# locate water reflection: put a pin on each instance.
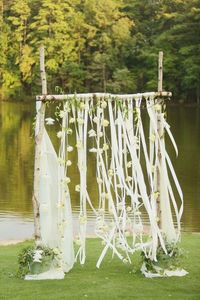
(16, 167)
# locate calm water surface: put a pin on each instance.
(16, 168)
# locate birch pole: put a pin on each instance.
(160, 134)
(39, 129)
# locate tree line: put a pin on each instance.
(100, 45)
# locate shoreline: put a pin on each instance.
(15, 242)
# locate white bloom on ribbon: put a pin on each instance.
(136, 142)
(117, 122)
(69, 131)
(110, 172)
(156, 195)
(62, 114)
(80, 121)
(68, 163)
(128, 209)
(105, 147)
(92, 133)
(37, 256)
(66, 180)
(77, 188)
(137, 213)
(100, 134)
(49, 121)
(99, 180)
(103, 104)
(157, 107)
(107, 196)
(82, 219)
(61, 161)
(56, 251)
(70, 148)
(105, 123)
(125, 260)
(94, 150)
(59, 134)
(103, 195)
(72, 120)
(129, 178)
(129, 164)
(138, 228)
(95, 120)
(79, 144)
(120, 206)
(100, 110)
(101, 211)
(82, 105)
(152, 138)
(78, 241)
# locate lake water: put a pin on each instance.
(17, 159)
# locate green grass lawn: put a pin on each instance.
(114, 280)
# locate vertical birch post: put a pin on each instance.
(39, 129)
(160, 133)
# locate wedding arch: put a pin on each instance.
(133, 174)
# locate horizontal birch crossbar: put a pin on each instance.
(103, 95)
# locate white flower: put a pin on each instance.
(61, 161)
(137, 213)
(78, 241)
(129, 164)
(125, 260)
(68, 163)
(128, 209)
(79, 144)
(80, 121)
(94, 150)
(56, 251)
(72, 120)
(110, 172)
(37, 257)
(82, 105)
(95, 120)
(157, 107)
(128, 178)
(70, 149)
(66, 180)
(105, 147)
(120, 206)
(107, 196)
(156, 194)
(49, 121)
(82, 219)
(138, 227)
(59, 134)
(69, 131)
(152, 138)
(62, 114)
(105, 123)
(77, 188)
(100, 134)
(101, 211)
(99, 180)
(104, 104)
(91, 133)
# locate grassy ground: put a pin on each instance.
(113, 280)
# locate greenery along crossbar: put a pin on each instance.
(127, 186)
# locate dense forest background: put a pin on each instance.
(100, 45)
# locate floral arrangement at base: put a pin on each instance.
(36, 260)
(167, 264)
